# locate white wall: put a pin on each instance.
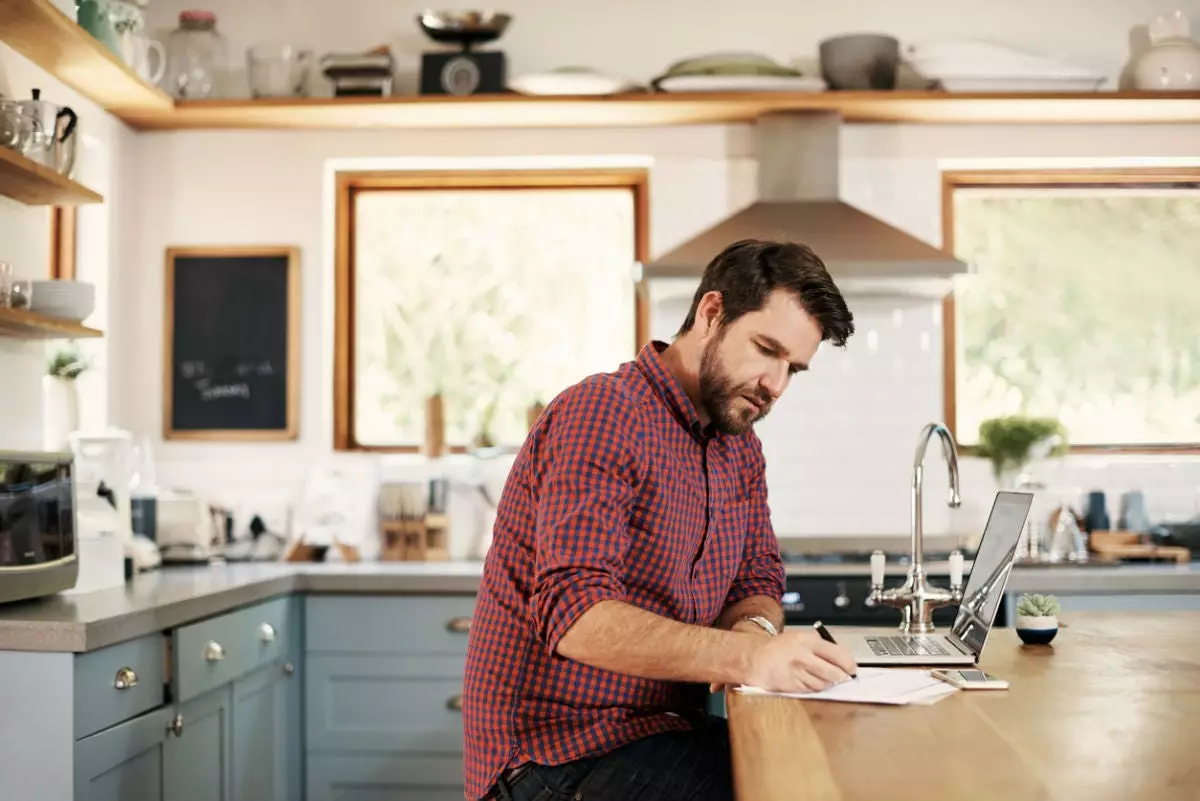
(840, 446)
(25, 242)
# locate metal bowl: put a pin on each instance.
(463, 27)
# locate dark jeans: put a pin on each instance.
(674, 766)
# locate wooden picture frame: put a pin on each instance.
(291, 428)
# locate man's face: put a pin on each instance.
(746, 365)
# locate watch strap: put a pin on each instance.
(762, 623)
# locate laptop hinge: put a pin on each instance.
(960, 645)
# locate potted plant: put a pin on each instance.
(1011, 443)
(60, 398)
(1037, 619)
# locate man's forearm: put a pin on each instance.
(754, 605)
(616, 636)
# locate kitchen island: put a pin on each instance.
(1110, 710)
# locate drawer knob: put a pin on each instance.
(213, 651)
(288, 668)
(176, 726)
(125, 679)
(455, 702)
(267, 632)
(459, 625)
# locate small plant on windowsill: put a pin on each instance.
(1014, 442)
(1037, 619)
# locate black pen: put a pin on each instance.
(827, 637)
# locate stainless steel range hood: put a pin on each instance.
(798, 200)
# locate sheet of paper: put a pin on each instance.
(876, 686)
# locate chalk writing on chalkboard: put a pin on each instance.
(232, 335)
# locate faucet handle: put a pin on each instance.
(877, 563)
(956, 569)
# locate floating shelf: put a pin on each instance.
(22, 324)
(34, 184)
(53, 41)
(659, 109)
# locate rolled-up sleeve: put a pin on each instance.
(761, 571)
(588, 479)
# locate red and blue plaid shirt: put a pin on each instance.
(618, 493)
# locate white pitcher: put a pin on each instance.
(1172, 64)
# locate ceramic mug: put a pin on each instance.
(144, 56)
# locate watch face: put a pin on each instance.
(460, 76)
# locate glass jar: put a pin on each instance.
(195, 52)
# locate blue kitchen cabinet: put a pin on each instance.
(383, 697)
(226, 727)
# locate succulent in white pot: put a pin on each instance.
(1037, 619)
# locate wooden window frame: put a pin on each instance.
(351, 183)
(62, 243)
(1115, 178)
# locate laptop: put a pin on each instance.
(963, 644)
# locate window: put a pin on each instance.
(1085, 304)
(495, 290)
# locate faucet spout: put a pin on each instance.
(917, 598)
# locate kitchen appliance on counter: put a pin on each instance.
(186, 529)
(468, 72)
(37, 525)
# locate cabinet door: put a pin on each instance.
(293, 723)
(197, 755)
(126, 762)
(259, 735)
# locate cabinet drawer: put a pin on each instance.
(117, 683)
(384, 704)
(388, 625)
(347, 777)
(216, 651)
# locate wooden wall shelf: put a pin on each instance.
(658, 109)
(33, 184)
(22, 324)
(39, 31)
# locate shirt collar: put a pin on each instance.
(668, 389)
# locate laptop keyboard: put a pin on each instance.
(906, 646)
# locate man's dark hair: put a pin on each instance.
(747, 272)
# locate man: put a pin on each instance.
(633, 563)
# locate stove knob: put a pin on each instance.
(842, 600)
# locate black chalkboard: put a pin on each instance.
(232, 339)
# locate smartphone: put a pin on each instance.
(970, 679)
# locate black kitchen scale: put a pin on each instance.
(468, 71)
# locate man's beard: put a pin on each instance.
(718, 394)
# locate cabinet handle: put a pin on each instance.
(213, 651)
(458, 625)
(176, 726)
(455, 702)
(125, 679)
(267, 632)
(288, 668)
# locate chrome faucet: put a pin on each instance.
(917, 598)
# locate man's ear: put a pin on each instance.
(708, 313)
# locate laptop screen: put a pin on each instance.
(989, 573)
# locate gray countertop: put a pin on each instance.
(174, 596)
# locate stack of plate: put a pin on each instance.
(70, 300)
(983, 66)
(734, 72)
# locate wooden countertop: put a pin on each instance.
(1110, 710)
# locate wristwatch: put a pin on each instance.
(763, 623)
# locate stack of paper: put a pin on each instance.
(876, 686)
